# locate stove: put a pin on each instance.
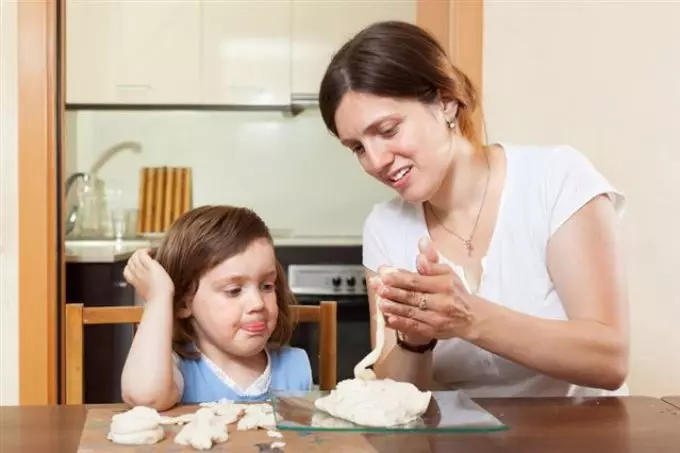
(329, 279)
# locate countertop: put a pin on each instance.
(102, 250)
(111, 251)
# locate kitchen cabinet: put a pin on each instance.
(320, 27)
(133, 52)
(105, 347)
(191, 52)
(246, 52)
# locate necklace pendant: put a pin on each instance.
(468, 246)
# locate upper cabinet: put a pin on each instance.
(320, 27)
(133, 52)
(246, 52)
(210, 52)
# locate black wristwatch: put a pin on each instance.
(418, 349)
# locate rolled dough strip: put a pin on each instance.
(361, 370)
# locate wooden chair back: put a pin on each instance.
(78, 316)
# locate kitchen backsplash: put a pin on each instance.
(288, 169)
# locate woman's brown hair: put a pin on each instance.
(399, 60)
(200, 240)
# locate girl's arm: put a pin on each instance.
(148, 374)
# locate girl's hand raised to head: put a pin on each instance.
(148, 277)
(432, 303)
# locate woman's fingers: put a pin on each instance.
(409, 326)
(427, 249)
(407, 311)
(413, 281)
(426, 267)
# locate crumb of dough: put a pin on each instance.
(277, 445)
(202, 431)
(257, 416)
(179, 420)
(272, 433)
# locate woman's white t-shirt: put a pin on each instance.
(544, 187)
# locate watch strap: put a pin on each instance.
(418, 349)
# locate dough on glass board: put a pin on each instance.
(376, 402)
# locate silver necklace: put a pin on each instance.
(468, 242)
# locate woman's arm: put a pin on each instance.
(586, 264)
(585, 261)
(394, 362)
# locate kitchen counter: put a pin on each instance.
(111, 251)
(317, 241)
(102, 251)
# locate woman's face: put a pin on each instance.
(405, 144)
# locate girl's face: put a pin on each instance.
(235, 308)
(404, 144)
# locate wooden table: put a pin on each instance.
(560, 425)
(674, 400)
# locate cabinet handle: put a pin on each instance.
(120, 284)
(133, 87)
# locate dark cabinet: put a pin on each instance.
(105, 346)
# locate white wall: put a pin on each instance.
(605, 77)
(289, 170)
(9, 332)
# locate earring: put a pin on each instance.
(451, 124)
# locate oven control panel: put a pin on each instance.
(326, 279)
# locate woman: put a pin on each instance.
(510, 276)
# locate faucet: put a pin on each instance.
(73, 213)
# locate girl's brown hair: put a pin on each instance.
(200, 240)
(399, 60)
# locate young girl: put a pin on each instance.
(216, 321)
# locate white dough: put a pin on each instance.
(361, 370)
(148, 437)
(257, 416)
(202, 431)
(375, 403)
(137, 426)
(277, 445)
(179, 420)
(227, 411)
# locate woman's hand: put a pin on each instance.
(148, 277)
(432, 303)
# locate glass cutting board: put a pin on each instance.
(449, 411)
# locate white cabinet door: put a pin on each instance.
(133, 51)
(91, 57)
(246, 52)
(320, 27)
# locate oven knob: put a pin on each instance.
(336, 281)
(351, 281)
